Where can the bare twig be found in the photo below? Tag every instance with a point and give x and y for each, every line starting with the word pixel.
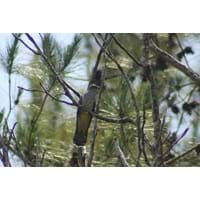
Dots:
pixel 94 114
pixel 125 50
pixel 26 45
pixel 143 138
pixel 30 90
pixel 11 133
pixel 92 143
pixel 121 70
pixel 105 44
pixel 182 155
pixel 178 65
pixel 4 155
pixel 94 131
pixel 155 102
pixel 123 73
pixel 120 154
pixel 36 118
pixel 43 156
pixel 54 98
pixel 175 142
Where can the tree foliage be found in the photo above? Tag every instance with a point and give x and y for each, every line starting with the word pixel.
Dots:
pixel 147 113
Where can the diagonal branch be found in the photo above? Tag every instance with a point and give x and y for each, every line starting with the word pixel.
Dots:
pixel 26 45
pixel 54 98
pixel 178 65
pixel 182 155
pixel 94 114
pixel 120 154
pixel 125 50
pixel 52 68
pixel 176 142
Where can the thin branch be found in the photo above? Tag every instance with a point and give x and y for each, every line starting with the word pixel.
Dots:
pixel 178 65
pixel 52 68
pixel 11 133
pixel 176 142
pixel 36 118
pixel 155 102
pixel 123 73
pixel 26 45
pixel 92 143
pixel 4 155
pixel 43 156
pixel 125 50
pixel 105 44
pixel 30 90
pixel 94 114
pixel 94 131
pixel 72 89
pixel 143 138
pixel 120 154
pixel 54 98
pixel 182 155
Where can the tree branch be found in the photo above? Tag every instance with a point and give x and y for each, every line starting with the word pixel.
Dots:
pixel 155 102
pixel 94 131
pixel 143 137
pixel 182 155
pixel 120 154
pixel 125 50
pixel 108 54
pixel 52 68
pixel 178 65
pixel 26 45
pixel 176 142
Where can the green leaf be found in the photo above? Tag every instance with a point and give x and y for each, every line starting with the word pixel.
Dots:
pixel 1 115
pixel 12 51
pixel 50 48
pixel 70 51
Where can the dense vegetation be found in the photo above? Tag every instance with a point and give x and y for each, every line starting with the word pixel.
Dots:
pixel 147 111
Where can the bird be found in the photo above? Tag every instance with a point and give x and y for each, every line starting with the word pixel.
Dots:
pixel 87 103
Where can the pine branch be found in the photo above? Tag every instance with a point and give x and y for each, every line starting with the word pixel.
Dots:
pixel 178 65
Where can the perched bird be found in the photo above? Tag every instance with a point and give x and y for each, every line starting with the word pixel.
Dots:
pixel 83 119
pixel 87 102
